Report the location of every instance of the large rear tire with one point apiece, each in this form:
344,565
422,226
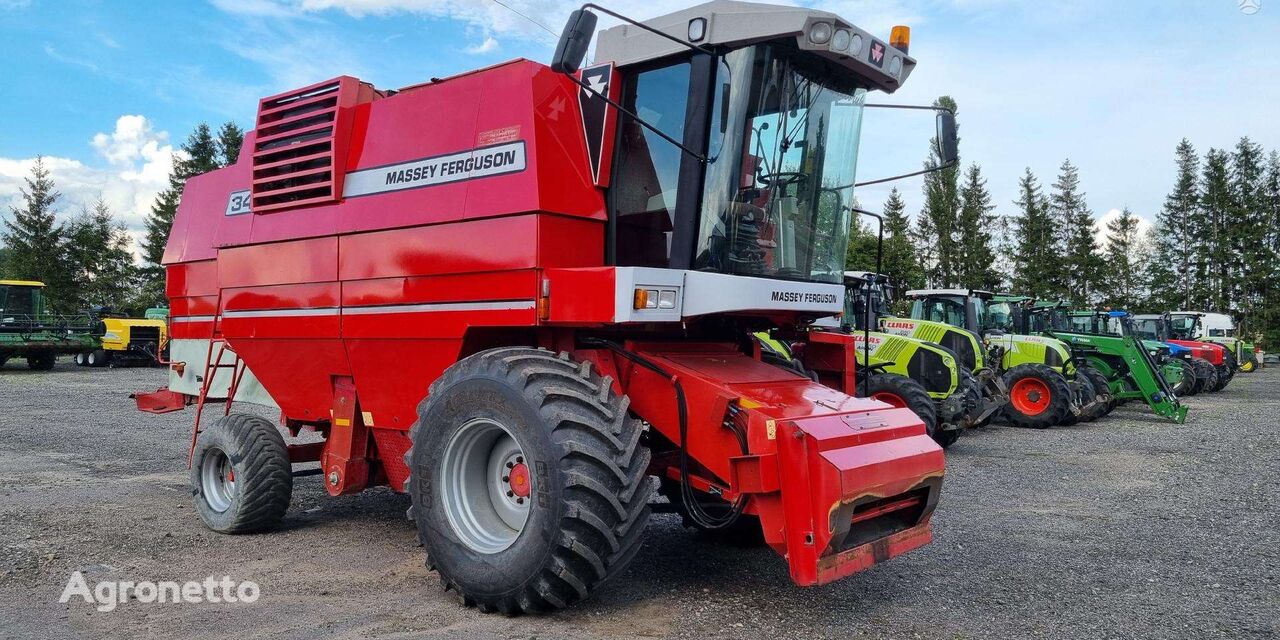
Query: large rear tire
1084,395
901,391
241,476
1227,371
1185,385
527,479
1039,397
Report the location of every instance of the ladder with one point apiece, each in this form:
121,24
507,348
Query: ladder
212,365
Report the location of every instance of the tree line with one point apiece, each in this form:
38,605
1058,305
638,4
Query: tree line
86,261
1214,246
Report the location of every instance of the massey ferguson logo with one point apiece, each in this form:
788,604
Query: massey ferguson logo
805,297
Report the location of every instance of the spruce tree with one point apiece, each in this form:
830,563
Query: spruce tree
98,248
1171,272
1245,231
975,225
1078,264
199,155
900,261
1268,325
925,239
1035,250
942,208
1123,278
230,139
36,242
1214,255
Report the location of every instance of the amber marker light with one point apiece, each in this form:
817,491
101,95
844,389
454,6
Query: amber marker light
900,38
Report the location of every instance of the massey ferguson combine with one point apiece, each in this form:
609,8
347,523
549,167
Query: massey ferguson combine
519,292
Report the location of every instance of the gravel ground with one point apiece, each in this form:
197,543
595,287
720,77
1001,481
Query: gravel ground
1129,527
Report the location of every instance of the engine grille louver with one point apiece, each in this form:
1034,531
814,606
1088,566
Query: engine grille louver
300,145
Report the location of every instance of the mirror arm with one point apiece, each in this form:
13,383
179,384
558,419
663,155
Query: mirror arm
646,27
913,173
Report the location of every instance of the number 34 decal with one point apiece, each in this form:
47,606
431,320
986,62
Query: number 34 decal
238,203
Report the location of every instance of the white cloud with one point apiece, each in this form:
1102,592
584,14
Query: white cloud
489,45
138,162
1100,228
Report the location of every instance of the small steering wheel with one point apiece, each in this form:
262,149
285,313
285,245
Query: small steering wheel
782,178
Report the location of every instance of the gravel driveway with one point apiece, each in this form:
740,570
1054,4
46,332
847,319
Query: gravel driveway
1128,527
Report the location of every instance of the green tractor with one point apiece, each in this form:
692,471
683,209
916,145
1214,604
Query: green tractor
1045,389
28,330
1174,362
1106,349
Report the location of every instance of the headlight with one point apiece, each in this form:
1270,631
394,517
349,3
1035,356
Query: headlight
840,41
820,33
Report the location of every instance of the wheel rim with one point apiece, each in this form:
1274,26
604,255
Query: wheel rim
486,486
1030,396
891,399
92,359
217,480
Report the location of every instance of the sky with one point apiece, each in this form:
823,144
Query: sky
106,90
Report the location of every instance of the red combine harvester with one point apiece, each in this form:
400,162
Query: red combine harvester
518,293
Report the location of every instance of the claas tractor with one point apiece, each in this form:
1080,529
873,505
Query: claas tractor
520,294
29,330
907,371
1213,364
1219,328
1044,388
1120,367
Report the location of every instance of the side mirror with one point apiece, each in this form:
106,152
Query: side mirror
574,40
948,143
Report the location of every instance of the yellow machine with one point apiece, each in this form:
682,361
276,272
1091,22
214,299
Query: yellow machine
126,341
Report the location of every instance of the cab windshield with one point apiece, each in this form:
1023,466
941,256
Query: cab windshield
777,197
1183,327
1000,316
938,309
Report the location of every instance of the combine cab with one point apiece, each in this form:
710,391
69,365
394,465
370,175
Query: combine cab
519,293
28,330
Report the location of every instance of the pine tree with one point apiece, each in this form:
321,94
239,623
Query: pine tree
1213,252
98,248
942,208
1268,325
1035,249
900,261
36,242
1123,281
230,139
1079,267
975,226
199,155
1171,272
1251,264
925,239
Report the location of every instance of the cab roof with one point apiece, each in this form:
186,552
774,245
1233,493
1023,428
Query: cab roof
964,293
730,23
22,283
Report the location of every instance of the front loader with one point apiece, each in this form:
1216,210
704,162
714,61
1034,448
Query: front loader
1121,367
1044,386
519,294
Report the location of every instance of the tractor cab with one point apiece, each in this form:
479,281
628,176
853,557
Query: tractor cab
21,303
868,296
964,308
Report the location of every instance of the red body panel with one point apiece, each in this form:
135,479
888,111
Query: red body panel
1214,353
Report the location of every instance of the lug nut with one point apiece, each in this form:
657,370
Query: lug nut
511,465
519,459
506,478
519,500
510,493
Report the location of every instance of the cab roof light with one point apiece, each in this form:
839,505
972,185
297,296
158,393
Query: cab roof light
900,39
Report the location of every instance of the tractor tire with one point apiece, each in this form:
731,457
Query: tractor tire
1227,371
517,536
903,392
1186,386
97,358
241,477
745,532
42,361
1206,375
1249,364
1084,394
1039,397
1102,386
